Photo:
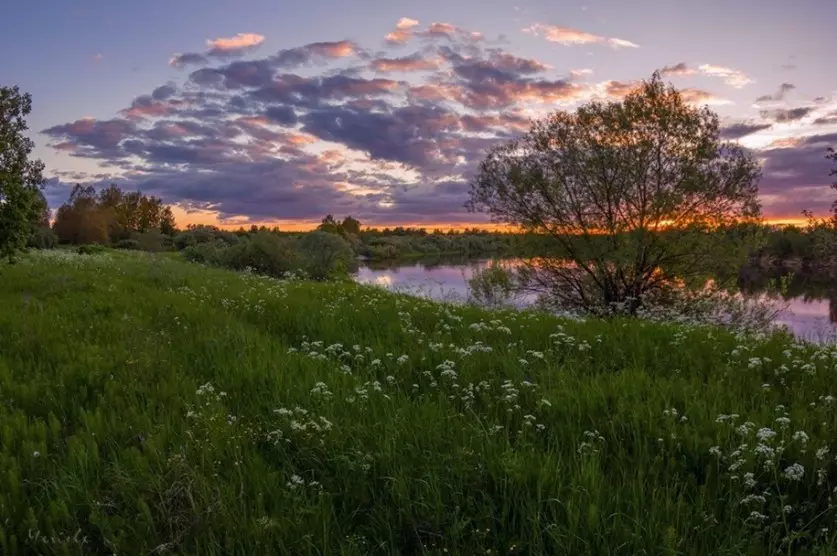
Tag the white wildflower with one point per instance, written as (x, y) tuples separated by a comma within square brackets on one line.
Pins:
[(795, 472)]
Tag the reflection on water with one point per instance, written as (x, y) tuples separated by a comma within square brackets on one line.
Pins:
[(809, 309)]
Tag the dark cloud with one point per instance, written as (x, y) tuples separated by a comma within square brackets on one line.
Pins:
[(93, 138), (795, 177), (676, 70), (784, 89), (828, 119), (742, 129), (284, 115), (295, 90), (403, 135), (181, 61), (164, 92), (782, 115)]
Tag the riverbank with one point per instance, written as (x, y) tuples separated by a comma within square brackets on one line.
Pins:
[(150, 403)]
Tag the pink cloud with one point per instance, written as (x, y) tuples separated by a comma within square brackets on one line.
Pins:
[(406, 23), (238, 43), (402, 32), (570, 36), (733, 77), (697, 96), (408, 63)]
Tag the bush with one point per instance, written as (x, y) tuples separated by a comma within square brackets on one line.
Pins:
[(263, 253), (90, 249), (128, 244), (207, 253), (203, 234), (152, 240), (326, 255), (42, 238)]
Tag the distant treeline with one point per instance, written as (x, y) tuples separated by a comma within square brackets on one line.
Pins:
[(131, 220), (808, 248)]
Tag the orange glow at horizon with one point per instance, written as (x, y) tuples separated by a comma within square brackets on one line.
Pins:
[(204, 217)]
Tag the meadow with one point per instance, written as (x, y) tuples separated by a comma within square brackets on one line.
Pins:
[(150, 405)]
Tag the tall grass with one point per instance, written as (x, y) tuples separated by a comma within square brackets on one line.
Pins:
[(149, 405)]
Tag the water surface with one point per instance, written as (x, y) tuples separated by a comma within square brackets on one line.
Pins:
[(809, 312)]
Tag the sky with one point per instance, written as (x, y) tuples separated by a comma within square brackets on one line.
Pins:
[(259, 111)]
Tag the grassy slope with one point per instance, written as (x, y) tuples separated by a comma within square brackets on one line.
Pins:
[(109, 442)]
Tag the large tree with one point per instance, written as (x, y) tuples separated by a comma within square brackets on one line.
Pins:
[(633, 193), (21, 177)]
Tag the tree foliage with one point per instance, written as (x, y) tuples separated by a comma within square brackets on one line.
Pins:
[(111, 216), (21, 178), (627, 189), (325, 255), (348, 226)]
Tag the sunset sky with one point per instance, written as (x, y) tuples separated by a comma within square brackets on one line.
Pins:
[(260, 111)]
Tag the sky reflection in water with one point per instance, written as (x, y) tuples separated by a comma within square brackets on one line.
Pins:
[(808, 317)]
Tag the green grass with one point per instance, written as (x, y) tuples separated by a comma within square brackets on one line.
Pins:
[(150, 405)]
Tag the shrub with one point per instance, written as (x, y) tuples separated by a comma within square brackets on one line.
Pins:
[(90, 249), (128, 244), (42, 238), (207, 253), (325, 255), (152, 240), (264, 253)]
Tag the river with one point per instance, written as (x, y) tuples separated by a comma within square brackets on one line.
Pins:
[(807, 311)]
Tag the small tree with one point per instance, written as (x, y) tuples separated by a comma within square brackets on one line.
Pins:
[(80, 220), (20, 178), (350, 225), (325, 255), (631, 191)]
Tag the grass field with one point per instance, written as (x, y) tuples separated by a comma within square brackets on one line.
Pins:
[(149, 405)]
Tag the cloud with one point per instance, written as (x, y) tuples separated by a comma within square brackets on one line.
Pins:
[(164, 92), (181, 61), (784, 89), (680, 69), (92, 138), (733, 77), (782, 115), (795, 176), (569, 36), (700, 97), (222, 47), (742, 129), (620, 89), (450, 32), (402, 32), (226, 46), (330, 127), (415, 62), (828, 119), (577, 73)]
